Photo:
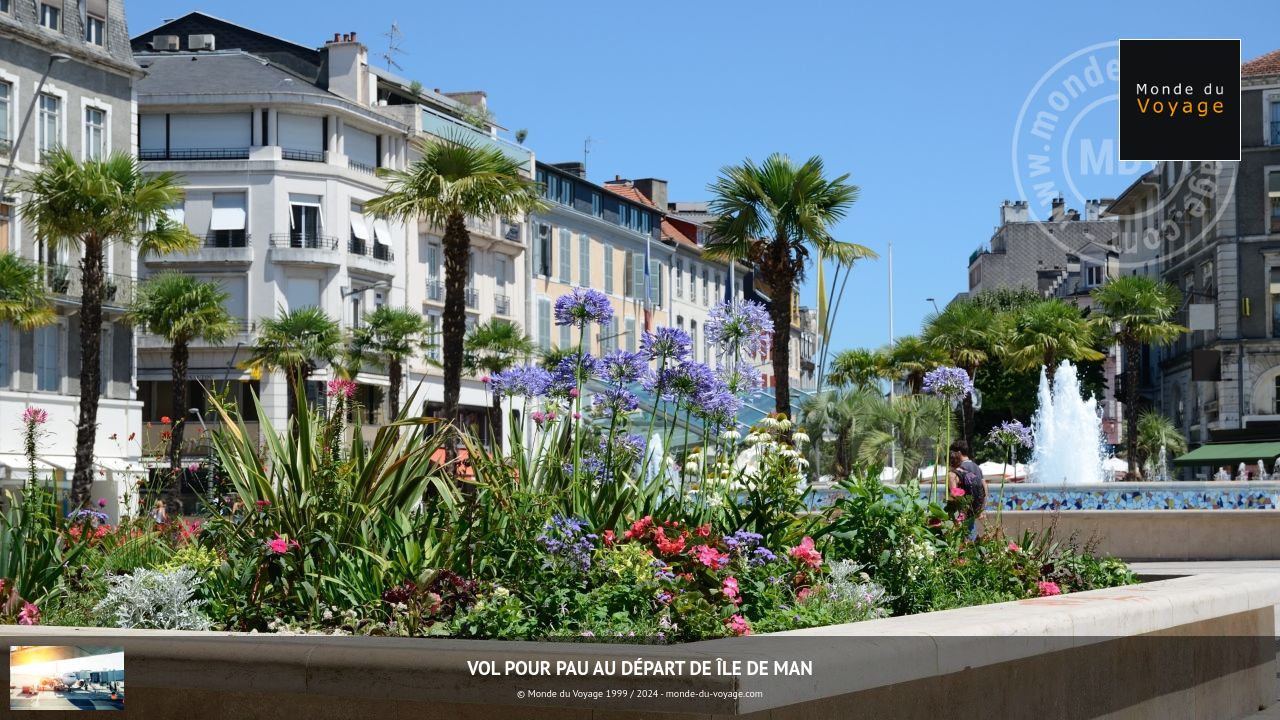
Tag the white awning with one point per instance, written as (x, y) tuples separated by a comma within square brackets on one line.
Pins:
[(19, 462), (371, 379), (62, 462), (228, 212), (382, 231), (119, 465), (358, 227), (177, 214)]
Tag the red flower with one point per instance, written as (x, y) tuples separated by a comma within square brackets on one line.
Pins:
[(608, 538), (133, 435), (1013, 547), (704, 531), (1047, 588), (805, 553), (639, 528), (279, 545), (738, 625), (730, 589), (934, 522), (165, 420), (710, 557), (673, 546)]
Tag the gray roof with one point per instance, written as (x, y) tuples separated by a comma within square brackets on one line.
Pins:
[(230, 72)]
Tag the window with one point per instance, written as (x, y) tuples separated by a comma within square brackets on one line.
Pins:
[(104, 363), (6, 98), (356, 315), (6, 213), (1273, 198), (542, 252), (1093, 275), (305, 221), (584, 261), (1275, 122), (705, 294), (51, 15), (433, 336), (608, 269), (679, 278), (1275, 302), (566, 245), (1276, 409), (4, 6), (1206, 276), (95, 133), (693, 337), (544, 324), (95, 26), (228, 222), (597, 208), (48, 369), (500, 273), (631, 334), (558, 189), (50, 125), (6, 372), (719, 289), (566, 337)]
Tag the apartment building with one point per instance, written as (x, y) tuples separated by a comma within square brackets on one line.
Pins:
[(66, 81), (279, 145), (1213, 230)]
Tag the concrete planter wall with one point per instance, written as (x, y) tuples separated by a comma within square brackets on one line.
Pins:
[(1158, 534), (1198, 646)]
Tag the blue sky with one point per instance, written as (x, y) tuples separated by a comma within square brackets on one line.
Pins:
[(916, 101)]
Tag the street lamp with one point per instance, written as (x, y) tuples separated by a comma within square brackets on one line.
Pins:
[(54, 59), (380, 285), (935, 305)]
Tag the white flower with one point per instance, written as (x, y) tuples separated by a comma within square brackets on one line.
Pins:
[(800, 438)]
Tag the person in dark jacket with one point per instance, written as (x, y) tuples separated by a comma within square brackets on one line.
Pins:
[(966, 476)]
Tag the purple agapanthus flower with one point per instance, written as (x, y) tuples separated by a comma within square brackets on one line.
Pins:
[(685, 381), (583, 306), (717, 407), (572, 373), (666, 345), (742, 326), (1010, 433), (529, 381), (630, 446), (622, 367), (744, 379), (951, 383), (615, 400)]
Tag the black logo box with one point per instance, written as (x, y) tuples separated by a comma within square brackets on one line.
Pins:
[(1187, 68)]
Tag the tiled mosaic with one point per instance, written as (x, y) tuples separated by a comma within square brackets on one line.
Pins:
[(1118, 496)]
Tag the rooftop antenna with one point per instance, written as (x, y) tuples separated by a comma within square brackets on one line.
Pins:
[(393, 37), (586, 148)]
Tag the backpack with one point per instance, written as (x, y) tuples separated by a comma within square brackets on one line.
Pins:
[(970, 480)]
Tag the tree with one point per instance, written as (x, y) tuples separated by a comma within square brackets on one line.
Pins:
[(838, 420), (911, 357), (1156, 431), (89, 207), (770, 215), (908, 427), (394, 335), (452, 180), (964, 331), (181, 308), (1138, 311), (1045, 334), (858, 368), (22, 298), (491, 348), (295, 342)]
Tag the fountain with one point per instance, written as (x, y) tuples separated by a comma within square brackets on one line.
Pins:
[(1262, 471), (1240, 473), (1162, 470), (1068, 433)]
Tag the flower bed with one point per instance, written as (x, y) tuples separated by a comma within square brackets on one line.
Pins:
[(592, 527)]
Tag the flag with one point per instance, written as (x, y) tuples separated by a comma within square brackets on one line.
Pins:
[(822, 301)]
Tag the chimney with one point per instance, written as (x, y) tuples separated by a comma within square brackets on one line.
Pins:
[(348, 63), (1012, 212), (654, 189), (577, 168), (1059, 210)]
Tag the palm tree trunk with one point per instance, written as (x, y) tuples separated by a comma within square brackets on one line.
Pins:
[(291, 394), (1130, 359), (179, 357), (1050, 367), (457, 248), (780, 310), (495, 424), (394, 371), (90, 369)]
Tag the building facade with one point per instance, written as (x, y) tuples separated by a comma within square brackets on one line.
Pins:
[(66, 81)]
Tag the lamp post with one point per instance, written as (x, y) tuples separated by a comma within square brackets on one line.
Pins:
[(935, 305)]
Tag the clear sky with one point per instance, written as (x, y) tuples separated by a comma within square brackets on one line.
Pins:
[(918, 101)]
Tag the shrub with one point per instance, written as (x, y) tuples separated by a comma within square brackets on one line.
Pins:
[(153, 600)]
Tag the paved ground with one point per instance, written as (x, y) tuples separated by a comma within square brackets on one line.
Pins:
[(68, 700)]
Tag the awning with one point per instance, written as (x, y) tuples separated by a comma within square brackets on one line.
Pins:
[(177, 214), (119, 465), (228, 212), (62, 462), (382, 231), (19, 462), (1230, 453), (358, 228)]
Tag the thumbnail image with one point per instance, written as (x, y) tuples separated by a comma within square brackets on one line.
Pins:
[(66, 677)]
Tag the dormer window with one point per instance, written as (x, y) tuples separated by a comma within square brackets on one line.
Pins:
[(1094, 275), (51, 14)]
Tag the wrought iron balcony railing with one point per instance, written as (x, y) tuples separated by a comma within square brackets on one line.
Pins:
[(241, 153), (226, 239), (310, 241), (375, 250), (65, 282), (501, 305), (304, 155), (435, 291)]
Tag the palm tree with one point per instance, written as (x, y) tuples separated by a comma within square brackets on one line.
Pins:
[(22, 298), (295, 342), (770, 215), (1045, 334), (455, 179), (908, 427), (858, 368), (964, 332), (839, 419), (89, 207), (394, 334), (491, 348), (1138, 311), (181, 308), (911, 357), (1156, 431)]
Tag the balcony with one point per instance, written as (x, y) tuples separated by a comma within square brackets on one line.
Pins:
[(303, 155), (299, 248), (435, 291), (243, 332), (370, 257), (473, 298), (240, 153), (220, 246), (361, 167), (502, 305), (63, 282)]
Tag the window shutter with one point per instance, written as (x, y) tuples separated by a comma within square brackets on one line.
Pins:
[(584, 260), (637, 281), (627, 276), (566, 338), (544, 323), (655, 288), (586, 338), (566, 245), (608, 269), (631, 334)]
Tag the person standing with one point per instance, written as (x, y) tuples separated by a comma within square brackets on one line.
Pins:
[(966, 477)]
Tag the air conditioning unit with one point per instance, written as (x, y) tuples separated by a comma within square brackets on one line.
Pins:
[(165, 42), (200, 42)]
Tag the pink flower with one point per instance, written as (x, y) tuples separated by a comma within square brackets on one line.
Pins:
[(485, 379), (738, 625), (710, 557), (538, 416), (279, 545), (731, 590), (164, 420), (341, 387), (29, 615), (805, 553), (1048, 588), (102, 502), (804, 594), (960, 517), (957, 492), (573, 392), (262, 503), (193, 468), (35, 416), (577, 416), (1013, 547)]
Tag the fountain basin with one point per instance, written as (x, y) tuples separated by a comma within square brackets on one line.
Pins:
[(1111, 496)]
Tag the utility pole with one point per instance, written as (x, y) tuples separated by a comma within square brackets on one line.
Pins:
[(893, 446)]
